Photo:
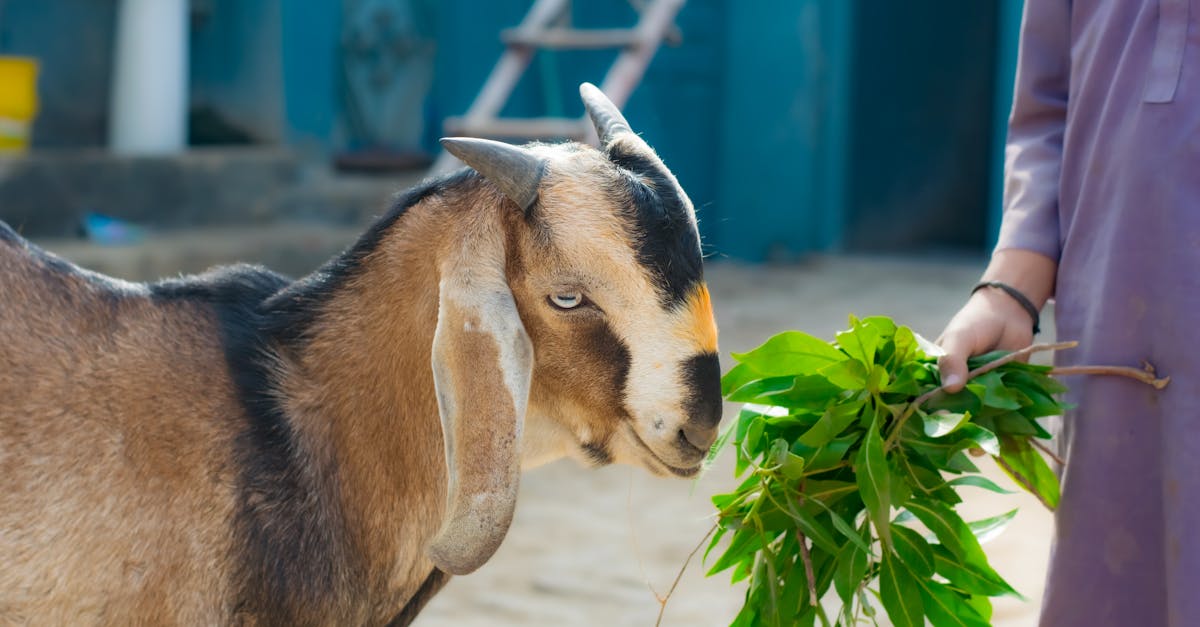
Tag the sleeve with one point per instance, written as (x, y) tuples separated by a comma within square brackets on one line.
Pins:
[(1033, 154)]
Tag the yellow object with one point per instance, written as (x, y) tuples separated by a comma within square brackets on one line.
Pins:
[(18, 101)]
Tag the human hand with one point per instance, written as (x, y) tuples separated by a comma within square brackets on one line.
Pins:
[(991, 320)]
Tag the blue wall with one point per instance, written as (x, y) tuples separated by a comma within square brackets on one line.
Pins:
[(783, 129)]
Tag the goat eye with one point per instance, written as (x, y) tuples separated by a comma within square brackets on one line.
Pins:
[(567, 300)]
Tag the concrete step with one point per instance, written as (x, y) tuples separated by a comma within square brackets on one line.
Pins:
[(46, 193), (294, 249)]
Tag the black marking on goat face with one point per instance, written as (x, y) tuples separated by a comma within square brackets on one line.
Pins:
[(666, 240), (614, 359), (702, 379), (292, 545)]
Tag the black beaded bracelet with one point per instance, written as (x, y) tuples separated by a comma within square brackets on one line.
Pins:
[(1017, 296)]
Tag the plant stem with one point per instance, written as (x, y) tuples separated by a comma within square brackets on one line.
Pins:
[(1023, 481), (1045, 449), (806, 557), (988, 367), (1145, 375), (662, 601)]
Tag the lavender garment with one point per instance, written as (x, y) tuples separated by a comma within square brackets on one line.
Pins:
[(1103, 175)]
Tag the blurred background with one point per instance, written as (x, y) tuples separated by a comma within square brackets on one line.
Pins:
[(844, 125), (844, 156)]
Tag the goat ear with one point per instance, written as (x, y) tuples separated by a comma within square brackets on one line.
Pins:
[(515, 170), (482, 363)]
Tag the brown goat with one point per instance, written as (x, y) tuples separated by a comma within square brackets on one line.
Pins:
[(238, 448)]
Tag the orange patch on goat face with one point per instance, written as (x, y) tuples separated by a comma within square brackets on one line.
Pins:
[(700, 325)]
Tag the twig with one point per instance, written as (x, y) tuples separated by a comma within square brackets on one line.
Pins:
[(1146, 375), (1045, 449), (806, 557), (662, 601), (1015, 355), (1019, 478), (988, 367)]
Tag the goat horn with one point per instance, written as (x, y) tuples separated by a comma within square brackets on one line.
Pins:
[(515, 170), (605, 115)]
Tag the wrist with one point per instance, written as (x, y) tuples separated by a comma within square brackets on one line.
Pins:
[(1014, 298), (1032, 274)]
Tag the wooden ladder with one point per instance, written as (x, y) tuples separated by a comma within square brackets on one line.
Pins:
[(541, 30)]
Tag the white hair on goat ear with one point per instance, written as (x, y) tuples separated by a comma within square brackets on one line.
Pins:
[(482, 366)]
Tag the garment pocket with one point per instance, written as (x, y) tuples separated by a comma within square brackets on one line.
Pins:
[(1170, 43)]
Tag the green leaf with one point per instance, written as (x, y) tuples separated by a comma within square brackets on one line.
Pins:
[(951, 531), (849, 375), (718, 446), (982, 437), (1015, 423), (979, 481), (958, 462), (815, 531), (745, 542), (947, 609), (716, 539), (738, 376), (810, 392), (988, 528), (826, 456), (1027, 467), (943, 422), (982, 605), (900, 595), (748, 446), (761, 390), (871, 472), (844, 527), (877, 379), (860, 341), (913, 550), (791, 353), (832, 422), (905, 342), (851, 568), (884, 326), (789, 463), (995, 394), (967, 578)]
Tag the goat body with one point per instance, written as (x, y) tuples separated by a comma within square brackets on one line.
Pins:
[(239, 448), (173, 452)]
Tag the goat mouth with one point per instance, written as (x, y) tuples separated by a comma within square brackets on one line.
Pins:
[(685, 473)]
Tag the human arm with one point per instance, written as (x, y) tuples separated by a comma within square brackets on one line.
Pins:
[(1029, 243)]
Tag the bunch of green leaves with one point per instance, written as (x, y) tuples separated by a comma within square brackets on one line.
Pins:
[(850, 483)]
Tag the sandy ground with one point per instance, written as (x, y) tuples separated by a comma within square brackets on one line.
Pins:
[(590, 547)]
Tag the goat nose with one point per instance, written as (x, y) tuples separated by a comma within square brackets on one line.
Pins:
[(702, 379), (698, 436)]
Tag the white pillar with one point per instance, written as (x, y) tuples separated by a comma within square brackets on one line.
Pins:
[(150, 71)]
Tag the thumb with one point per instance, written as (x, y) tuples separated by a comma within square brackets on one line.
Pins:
[(953, 365)]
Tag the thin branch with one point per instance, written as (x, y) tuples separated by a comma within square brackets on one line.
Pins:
[(662, 601), (1146, 375), (806, 557), (1015, 355), (1045, 449), (1019, 478), (988, 367)]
